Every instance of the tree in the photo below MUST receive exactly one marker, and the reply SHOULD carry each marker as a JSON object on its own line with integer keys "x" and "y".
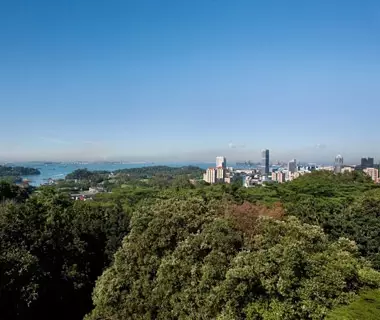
{"x": 291, "y": 271}
{"x": 193, "y": 259}
{"x": 52, "y": 251}
{"x": 12, "y": 192}
{"x": 125, "y": 289}
{"x": 18, "y": 286}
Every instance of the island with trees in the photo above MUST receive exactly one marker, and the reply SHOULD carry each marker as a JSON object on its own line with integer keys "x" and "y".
{"x": 14, "y": 174}
{"x": 158, "y": 244}
{"x": 17, "y": 171}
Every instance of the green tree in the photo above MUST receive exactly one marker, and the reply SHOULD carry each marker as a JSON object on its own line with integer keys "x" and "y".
{"x": 19, "y": 272}
{"x": 52, "y": 252}
{"x": 291, "y": 270}
{"x": 125, "y": 289}
{"x": 194, "y": 259}
{"x": 10, "y": 191}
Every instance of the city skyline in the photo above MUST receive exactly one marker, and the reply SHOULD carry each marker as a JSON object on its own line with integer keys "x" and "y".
{"x": 183, "y": 81}
{"x": 256, "y": 157}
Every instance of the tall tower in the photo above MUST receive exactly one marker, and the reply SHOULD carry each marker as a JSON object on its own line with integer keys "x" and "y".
{"x": 221, "y": 162}
{"x": 338, "y": 164}
{"x": 265, "y": 160}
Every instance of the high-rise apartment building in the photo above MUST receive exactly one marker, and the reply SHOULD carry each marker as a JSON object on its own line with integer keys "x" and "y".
{"x": 220, "y": 174}
{"x": 265, "y": 160}
{"x": 292, "y": 166}
{"x": 373, "y": 173}
{"x": 221, "y": 162}
{"x": 278, "y": 176}
{"x": 338, "y": 164}
{"x": 210, "y": 175}
{"x": 367, "y": 163}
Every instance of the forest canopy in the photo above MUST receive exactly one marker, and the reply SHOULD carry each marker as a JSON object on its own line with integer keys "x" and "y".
{"x": 159, "y": 246}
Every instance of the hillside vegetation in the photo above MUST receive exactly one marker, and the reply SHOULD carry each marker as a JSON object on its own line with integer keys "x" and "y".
{"x": 308, "y": 249}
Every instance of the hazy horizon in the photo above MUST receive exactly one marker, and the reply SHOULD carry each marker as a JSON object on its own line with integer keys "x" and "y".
{"x": 319, "y": 154}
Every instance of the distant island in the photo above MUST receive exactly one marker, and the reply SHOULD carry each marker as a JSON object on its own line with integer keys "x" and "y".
{"x": 17, "y": 171}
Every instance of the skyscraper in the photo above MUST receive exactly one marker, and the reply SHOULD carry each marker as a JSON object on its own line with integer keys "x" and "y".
{"x": 221, "y": 162}
{"x": 292, "y": 166}
{"x": 338, "y": 164}
{"x": 265, "y": 160}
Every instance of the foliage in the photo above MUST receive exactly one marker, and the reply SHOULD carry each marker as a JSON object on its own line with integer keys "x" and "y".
{"x": 19, "y": 277}
{"x": 291, "y": 271}
{"x": 192, "y": 250}
{"x": 195, "y": 259}
{"x": 85, "y": 174}
{"x": 147, "y": 172}
{"x": 12, "y": 192}
{"x": 365, "y": 306}
{"x": 52, "y": 251}
{"x": 346, "y": 205}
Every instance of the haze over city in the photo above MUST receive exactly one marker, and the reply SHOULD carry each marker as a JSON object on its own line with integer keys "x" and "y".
{"x": 185, "y": 81}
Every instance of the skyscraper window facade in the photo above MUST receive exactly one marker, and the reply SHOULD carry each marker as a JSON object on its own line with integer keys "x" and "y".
{"x": 265, "y": 160}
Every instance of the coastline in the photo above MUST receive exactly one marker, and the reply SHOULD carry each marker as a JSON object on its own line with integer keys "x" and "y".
{"x": 59, "y": 170}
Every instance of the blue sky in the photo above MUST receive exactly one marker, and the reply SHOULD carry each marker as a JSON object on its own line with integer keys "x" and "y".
{"x": 189, "y": 80}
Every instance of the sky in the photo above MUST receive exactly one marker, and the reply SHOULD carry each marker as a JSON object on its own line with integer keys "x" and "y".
{"x": 170, "y": 80}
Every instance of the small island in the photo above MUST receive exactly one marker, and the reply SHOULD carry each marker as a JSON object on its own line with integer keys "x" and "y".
{"x": 17, "y": 171}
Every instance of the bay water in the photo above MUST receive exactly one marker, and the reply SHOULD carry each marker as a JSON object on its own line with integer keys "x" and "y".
{"x": 60, "y": 170}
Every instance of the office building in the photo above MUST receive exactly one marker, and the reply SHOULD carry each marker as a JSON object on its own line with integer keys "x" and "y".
{"x": 338, "y": 164}
{"x": 292, "y": 166}
{"x": 367, "y": 163}
{"x": 221, "y": 162}
{"x": 265, "y": 161}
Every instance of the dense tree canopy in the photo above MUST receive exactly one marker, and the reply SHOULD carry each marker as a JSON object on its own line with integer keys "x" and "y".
{"x": 85, "y": 174}
{"x": 10, "y": 191}
{"x": 149, "y": 171}
{"x": 52, "y": 251}
{"x": 164, "y": 246}
{"x": 191, "y": 260}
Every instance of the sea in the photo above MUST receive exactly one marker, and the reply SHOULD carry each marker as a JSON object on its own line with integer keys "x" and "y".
{"x": 57, "y": 171}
